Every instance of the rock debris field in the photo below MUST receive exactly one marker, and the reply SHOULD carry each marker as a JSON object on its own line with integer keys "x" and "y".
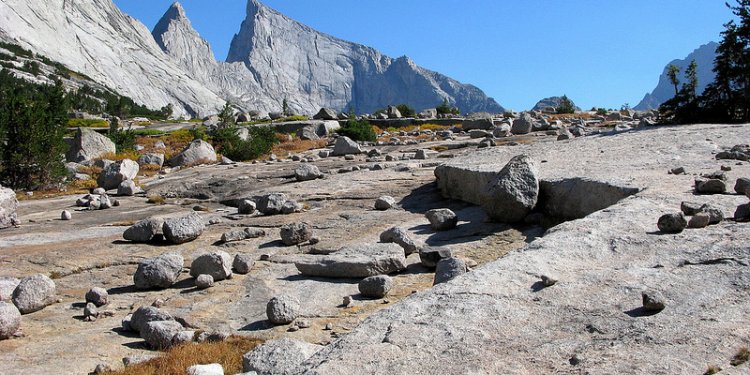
{"x": 622, "y": 251}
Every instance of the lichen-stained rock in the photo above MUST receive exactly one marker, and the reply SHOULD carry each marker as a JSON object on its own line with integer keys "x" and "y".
{"x": 354, "y": 261}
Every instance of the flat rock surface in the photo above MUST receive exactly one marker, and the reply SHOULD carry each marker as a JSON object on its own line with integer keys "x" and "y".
{"x": 499, "y": 319}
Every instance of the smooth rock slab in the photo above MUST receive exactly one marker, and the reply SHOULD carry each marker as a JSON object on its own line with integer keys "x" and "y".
{"x": 354, "y": 262}
{"x": 278, "y": 357}
{"x": 34, "y": 293}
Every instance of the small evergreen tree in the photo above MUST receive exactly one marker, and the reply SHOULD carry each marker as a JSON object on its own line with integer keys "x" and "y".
{"x": 406, "y": 110}
{"x": 672, "y": 73}
{"x": 566, "y": 106}
{"x": 226, "y": 116}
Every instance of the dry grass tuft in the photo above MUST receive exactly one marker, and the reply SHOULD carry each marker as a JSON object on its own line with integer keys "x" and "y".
{"x": 711, "y": 370}
{"x": 176, "y": 360}
{"x": 156, "y": 199}
{"x": 742, "y": 356}
{"x": 296, "y": 145}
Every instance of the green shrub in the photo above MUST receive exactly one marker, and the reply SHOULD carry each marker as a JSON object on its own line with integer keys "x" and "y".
{"x": 445, "y": 109}
{"x": 199, "y": 132}
{"x": 566, "y": 106}
{"x": 358, "y": 130}
{"x": 123, "y": 139}
{"x": 406, "y": 111}
{"x": 295, "y": 118}
{"x": 229, "y": 143}
{"x": 87, "y": 123}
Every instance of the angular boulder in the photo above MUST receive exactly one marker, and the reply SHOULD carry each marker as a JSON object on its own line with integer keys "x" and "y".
{"x": 183, "y": 229}
{"x": 283, "y": 309}
{"x": 145, "y": 314}
{"x": 8, "y": 207}
{"x": 34, "y": 293}
{"x": 10, "y": 320}
{"x": 522, "y": 125}
{"x": 345, "y": 146}
{"x": 354, "y": 262}
{"x": 117, "y": 172}
{"x": 272, "y": 204}
{"x": 144, "y": 230}
{"x": 514, "y": 192}
{"x": 217, "y": 264}
{"x": 197, "y": 152}
{"x": 88, "y": 145}
{"x": 326, "y": 114}
{"x": 159, "y": 334}
{"x": 402, "y": 238}
{"x": 442, "y": 219}
{"x": 296, "y": 233}
{"x": 158, "y": 272}
{"x": 307, "y": 172}
{"x": 151, "y": 159}
{"x": 448, "y": 269}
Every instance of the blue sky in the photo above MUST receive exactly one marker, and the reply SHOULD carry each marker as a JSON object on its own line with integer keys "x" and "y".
{"x": 601, "y": 53}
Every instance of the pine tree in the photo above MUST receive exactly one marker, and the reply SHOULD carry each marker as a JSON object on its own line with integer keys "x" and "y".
{"x": 672, "y": 72}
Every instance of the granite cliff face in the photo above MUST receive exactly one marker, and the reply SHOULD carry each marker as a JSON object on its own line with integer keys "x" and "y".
{"x": 704, "y": 56}
{"x": 95, "y": 38}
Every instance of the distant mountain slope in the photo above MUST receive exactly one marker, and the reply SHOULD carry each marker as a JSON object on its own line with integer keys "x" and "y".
{"x": 704, "y": 56}
{"x": 94, "y": 37}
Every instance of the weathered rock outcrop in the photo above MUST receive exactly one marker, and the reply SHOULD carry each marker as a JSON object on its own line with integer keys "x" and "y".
{"x": 88, "y": 145}
{"x": 8, "y": 207}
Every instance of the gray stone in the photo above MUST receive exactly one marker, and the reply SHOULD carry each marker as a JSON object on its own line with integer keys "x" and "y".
{"x": 442, "y": 219}
{"x": 742, "y": 213}
{"x": 376, "y": 286}
{"x": 700, "y": 220}
{"x": 742, "y": 186}
{"x": 116, "y": 173}
{"x": 271, "y": 204}
{"x": 449, "y": 268}
{"x": 291, "y": 207}
{"x": 242, "y": 234}
{"x": 98, "y": 296}
{"x": 514, "y": 192}
{"x": 158, "y": 334}
{"x": 197, "y": 152}
{"x": 487, "y": 142}
{"x": 183, "y": 229}
{"x": 218, "y": 264}
{"x": 384, "y": 203}
{"x": 283, "y": 309}
{"x": 690, "y": 208}
{"x": 210, "y": 369}
{"x": 88, "y": 145}
{"x": 401, "y": 237}
{"x": 243, "y": 263}
{"x": 34, "y": 293}
{"x": 677, "y": 171}
{"x": 393, "y": 112}
{"x": 66, "y": 215}
{"x": 354, "y": 262}
{"x": 326, "y": 114}
{"x": 204, "y": 281}
{"x": 296, "y": 233}
{"x": 146, "y": 314}
{"x": 715, "y": 216}
{"x": 345, "y": 146}
{"x": 710, "y": 186}
{"x": 522, "y": 125}
{"x": 102, "y": 369}
{"x": 7, "y": 286}
{"x": 8, "y": 207}
{"x": 478, "y": 133}
{"x": 183, "y": 337}
{"x": 672, "y": 223}
{"x": 278, "y": 357}
{"x": 246, "y": 207}
{"x": 127, "y": 188}
{"x": 430, "y": 256}
{"x": 502, "y": 131}
{"x": 421, "y": 155}
{"x": 158, "y": 272}
{"x": 307, "y": 172}
{"x": 90, "y": 312}
{"x": 144, "y": 230}
{"x": 653, "y": 301}
{"x": 10, "y": 320}
{"x": 152, "y": 159}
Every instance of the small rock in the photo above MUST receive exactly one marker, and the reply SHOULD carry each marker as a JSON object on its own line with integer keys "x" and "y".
{"x": 402, "y": 238}
{"x": 548, "y": 281}
{"x": 710, "y": 186}
{"x": 10, "y": 320}
{"x": 653, "y": 301}
{"x": 98, "y": 296}
{"x": 145, "y": 314}
{"x": 211, "y": 369}
{"x": 347, "y": 301}
{"x": 291, "y": 207}
{"x": 726, "y": 168}
{"x": 442, "y": 219}
{"x": 127, "y": 188}
{"x": 7, "y": 286}
{"x": 742, "y": 186}
{"x": 271, "y": 204}
{"x": 144, "y": 230}
{"x": 421, "y": 154}
{"x": 672, "y": 223}
{"x": 302, "y": 323}
{"x": 136, "y": 359}
{"x": 34, "y": 293}
{"x": 217, "y": 264}
{"x": 449, "y": 268}
{"x": 677, "y": 171}
{"x": 183, "y": 337}
{"x": 243, "y": 263}
{"x": 690, "y": 208}
{"x": 699, "y": 220}
{"x": 158, "y": 272}
{"x": 90, "y": 312}
{"x": 376, "y": 286}
{"x": 102, "y": 369}
{"x": 328, "y": 327}
{"x": 246, "y": 207}
{"x": 307, "y": 172}
{"x": 384, "y": 203}
{"x": 714, "y": 214}
{"x": 283, "y": 309}
{"x": 296, "y": 233}
{"x": 66, "y": 215}
{"x": 204, "y": 281}
{"x": 430, "y": 256}
{"x": 158, "y": 334}
{"x": 183, "y": 229}
{"x": 742, "y": 214}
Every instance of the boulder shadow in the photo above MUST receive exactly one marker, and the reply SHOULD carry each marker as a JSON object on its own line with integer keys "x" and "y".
{"x": 186, "y": 283}
{"x": 274, "y": 243}
{"x": 259, "y": 325}
{"x": 138, "y": 345}
{"x": 123, "y": 290}
{"x": 538, "y": 287}
{"x": 416, "y": 269}
{"x": 320, "y": 279}
{"x": 640, "y": 312}
{"x": 124, "y": 333}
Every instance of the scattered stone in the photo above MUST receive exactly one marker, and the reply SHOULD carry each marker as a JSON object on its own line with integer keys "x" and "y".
{"x": 522, "y": 125}
{"x": 212, "y": 337}
{"x": 690, "y": 208}
{"x": 699, "y": 220}
{"x": 291, "y": 207}
{"x": 116, "y": 173}
{"x": 487, "y": 142}
{"x": 401, "y": 237}
{"x": 10, "y": 320}
{"x": 348, "y": 301}
{"x": 653, "y": 301}
{"x": 98, "y": 296}
{"x": 158, "y": 272}
{"x": 8, "y": 208}
{"x": 421, "y": 154}
{"x": 449, "y": 268}
{"x": 183, "y": 337}
{"x": 296, "y": 233}
{"x": 7, "y": 286}
{"x": 326, "y": 114}
{"x": 345, "y": 146}
{"x": 677, "y": 171}
{"x": 328, "y": 327}
{"x": 34, "y": 293}
{"x": 183, "y": 229}
{"x": 243, "y": 263}
{"x": 210, "y": 369}
{"x": 548, "y": 281}
{"x": 146, "y": 314}
{"x": 376, "y": 286}
{"x": 283, "y": 309}
{"x": 710, "y": 186}
{"x": 357, "y": 261}
{"x": 271, "y": 204}
{"x": 197, "y": 152}
{"x": 90, "y": 312}
{"x": 511, "y": 196}
{"x": 204, "y": 281}
{"x": 217, "y": 264}
{"x": 307, "y": 172}
{"x": 242, "y": 234}
{"x": 726, "y": 168}
{"x": 742, "y": 186}
{"x": 88, "y": 145}
{"x": 102, "y": 369}
{"x": 714, "y": 214}
{"x": 718, "y": 175}
{"x": 742, "y": 214}
{"x": 152, "y": 159}
{"x": 66, "y": 215}
{"x": 442, "y": 219}
{"x": 278, "y": 357}
{"x": 672, "y": 223}
{"x": 144, "y": 230}
{"x": 137, "y": 359}
{"x": 430, "y": 256}
{"x": 384, "y": 203}
{"x": 246, "y": 207}
{"x": 158, "y": 334}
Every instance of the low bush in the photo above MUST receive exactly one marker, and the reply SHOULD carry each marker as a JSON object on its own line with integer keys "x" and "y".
{"x": 358, "y": 130}
{"x": 260, "y": 142}
{"x": 87, "y": 123}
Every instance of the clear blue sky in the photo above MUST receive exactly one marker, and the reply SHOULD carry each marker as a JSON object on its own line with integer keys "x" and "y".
{"x": 599, "y": 52}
